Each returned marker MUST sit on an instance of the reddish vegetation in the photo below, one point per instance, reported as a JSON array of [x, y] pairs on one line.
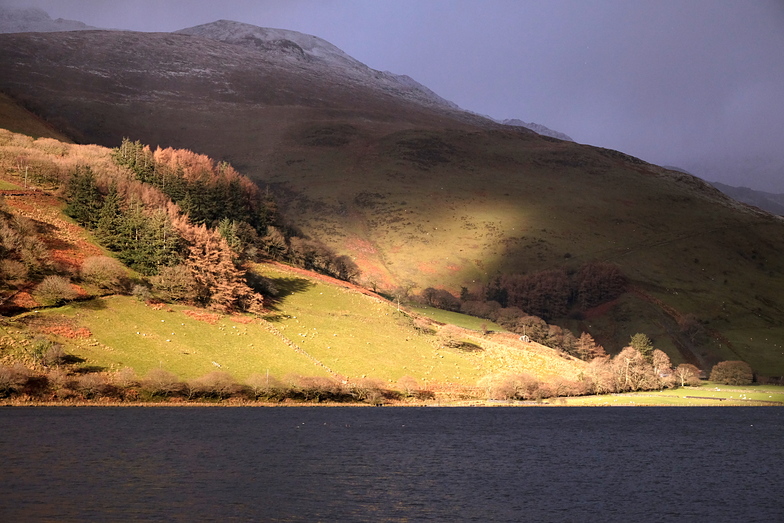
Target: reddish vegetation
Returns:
[[23, 300], [426, 268], [66, 243], [158, 305], [208, 317], [366, 257], [67, 331], [236, 318]]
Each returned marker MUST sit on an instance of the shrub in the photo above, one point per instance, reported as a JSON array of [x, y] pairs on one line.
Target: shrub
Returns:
[[159, 382], [408, 385], [141, 292], [175, 284], [12, 379], [216, 384], [104, 272], [732, 373], [91, 385], [449, 336], [12, 271], [54, 290], [317, 389], [125, 378], [265, 387]]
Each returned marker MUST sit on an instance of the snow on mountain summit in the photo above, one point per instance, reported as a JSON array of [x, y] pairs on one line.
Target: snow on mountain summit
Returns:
[[294, 45], [537, 128]]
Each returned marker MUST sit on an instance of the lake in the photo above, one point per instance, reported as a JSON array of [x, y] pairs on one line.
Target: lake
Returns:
[[391, 464]]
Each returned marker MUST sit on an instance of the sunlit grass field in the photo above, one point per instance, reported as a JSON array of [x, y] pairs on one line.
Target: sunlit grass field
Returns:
[[708, 394], [314, 328]]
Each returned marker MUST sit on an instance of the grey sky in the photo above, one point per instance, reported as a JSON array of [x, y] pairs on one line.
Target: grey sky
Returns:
[[693, 83]]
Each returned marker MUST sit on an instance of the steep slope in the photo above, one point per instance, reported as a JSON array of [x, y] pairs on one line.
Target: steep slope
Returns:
[[417, 191], [16, 118]]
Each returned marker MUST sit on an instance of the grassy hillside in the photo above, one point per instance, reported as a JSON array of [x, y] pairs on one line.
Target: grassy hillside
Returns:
[[315, 326], [425, 196], [420, 196], [454, 209]]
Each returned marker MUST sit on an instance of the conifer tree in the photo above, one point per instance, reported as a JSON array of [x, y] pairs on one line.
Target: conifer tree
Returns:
[[84, 198], [110, 220], [220, 284]]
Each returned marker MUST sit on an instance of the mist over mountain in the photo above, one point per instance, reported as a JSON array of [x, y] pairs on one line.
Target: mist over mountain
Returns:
[[22, 20]]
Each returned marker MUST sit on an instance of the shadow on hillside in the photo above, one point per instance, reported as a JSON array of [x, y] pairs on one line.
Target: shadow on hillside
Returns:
[[285, 287], [467, 346], [93, 304]]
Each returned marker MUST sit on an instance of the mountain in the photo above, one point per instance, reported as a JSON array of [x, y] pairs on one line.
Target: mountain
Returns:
[[537, 128], [771, 202], [319, 54], [23, 20], [421, 194]]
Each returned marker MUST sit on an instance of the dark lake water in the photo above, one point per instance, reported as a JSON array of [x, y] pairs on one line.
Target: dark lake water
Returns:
[[392, 464]]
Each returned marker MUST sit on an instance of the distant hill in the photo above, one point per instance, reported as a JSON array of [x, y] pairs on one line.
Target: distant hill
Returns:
[[419, 193], [771, 202], [24, 20], [537, 128]]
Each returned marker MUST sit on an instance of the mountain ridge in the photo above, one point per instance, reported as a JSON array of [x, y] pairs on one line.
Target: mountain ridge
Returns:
[[538, 128]]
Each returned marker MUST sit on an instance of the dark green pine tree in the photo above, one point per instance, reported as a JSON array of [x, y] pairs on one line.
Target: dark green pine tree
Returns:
[[109, 228], [83, 198], [164, 247], [131, 238]]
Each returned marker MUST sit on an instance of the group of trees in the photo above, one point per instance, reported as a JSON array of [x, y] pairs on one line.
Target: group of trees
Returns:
[[555, 293], [518, 321], [547, 294], [216, 196], [628, 371], [525, 304], [189, 225], [150, 236]]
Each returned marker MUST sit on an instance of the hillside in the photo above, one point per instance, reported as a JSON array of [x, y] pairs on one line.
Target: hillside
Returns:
[[419, 193], [313, 326]]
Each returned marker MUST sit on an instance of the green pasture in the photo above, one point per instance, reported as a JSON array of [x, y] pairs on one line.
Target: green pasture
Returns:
[[450, 209], [313, 328], [708, 394], [128, 333], [360, 336]]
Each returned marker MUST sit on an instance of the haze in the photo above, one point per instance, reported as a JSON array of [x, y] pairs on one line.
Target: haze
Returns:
[[696, 84]]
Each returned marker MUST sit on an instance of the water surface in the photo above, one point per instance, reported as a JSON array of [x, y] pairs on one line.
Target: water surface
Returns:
[[391, 464]]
